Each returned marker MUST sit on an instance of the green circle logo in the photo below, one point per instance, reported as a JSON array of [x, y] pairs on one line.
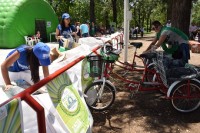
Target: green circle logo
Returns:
[[69, 102]]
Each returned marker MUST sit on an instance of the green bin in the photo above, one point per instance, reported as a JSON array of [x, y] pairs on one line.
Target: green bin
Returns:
[[95, 65]]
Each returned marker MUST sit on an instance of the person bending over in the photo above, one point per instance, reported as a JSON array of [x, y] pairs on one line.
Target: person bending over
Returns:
[[26, 58], [173, 41]]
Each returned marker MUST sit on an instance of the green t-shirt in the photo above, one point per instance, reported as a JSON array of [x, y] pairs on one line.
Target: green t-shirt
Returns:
[[175, 37]]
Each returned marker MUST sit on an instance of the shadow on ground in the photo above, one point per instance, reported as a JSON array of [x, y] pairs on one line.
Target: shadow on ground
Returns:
[[145, 112]]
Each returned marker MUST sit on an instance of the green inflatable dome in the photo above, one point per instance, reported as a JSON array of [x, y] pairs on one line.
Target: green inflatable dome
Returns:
[[19, 18]]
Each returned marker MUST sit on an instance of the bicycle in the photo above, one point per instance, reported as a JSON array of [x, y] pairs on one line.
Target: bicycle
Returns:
[[95, 90], [174, 93], [99, 95], [183, 84]]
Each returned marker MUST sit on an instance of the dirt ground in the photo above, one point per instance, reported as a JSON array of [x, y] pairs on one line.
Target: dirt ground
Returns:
[[147, 112]]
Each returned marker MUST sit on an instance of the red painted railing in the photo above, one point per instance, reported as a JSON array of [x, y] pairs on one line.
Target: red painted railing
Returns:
[[119, 40], [113, 41], [26, 94]]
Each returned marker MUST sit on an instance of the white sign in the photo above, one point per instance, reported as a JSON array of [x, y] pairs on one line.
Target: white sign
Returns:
[[48, 24]]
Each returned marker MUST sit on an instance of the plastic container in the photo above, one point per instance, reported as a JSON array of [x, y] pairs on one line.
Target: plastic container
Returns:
[[95, 65]]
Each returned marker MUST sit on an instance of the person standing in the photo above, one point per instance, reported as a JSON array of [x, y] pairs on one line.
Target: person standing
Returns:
[[169, 23], [142, 31], [84, 30], [193, 31], [112, 29], [78, 32], [92, 29], [65, 29], [136, 31], [132, 32]]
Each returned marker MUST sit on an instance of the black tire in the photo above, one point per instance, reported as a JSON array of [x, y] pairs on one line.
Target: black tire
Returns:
[[91, 96], [185, 105], [149, 75], [152, 77]]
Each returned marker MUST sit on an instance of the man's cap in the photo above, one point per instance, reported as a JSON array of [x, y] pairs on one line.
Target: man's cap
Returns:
[[65, 16], [42, 52]]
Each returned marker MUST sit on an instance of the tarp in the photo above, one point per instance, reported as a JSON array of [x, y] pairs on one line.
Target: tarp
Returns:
[[56, 120], [11, 117]]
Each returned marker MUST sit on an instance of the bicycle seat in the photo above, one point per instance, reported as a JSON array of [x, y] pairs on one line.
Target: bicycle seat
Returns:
[[148, 55], [136, 44]]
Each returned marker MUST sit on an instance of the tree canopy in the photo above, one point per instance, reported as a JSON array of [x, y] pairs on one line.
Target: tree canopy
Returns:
[[144, 11]]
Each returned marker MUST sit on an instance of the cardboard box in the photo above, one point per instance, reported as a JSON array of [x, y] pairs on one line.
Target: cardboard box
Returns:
[[195, 48]]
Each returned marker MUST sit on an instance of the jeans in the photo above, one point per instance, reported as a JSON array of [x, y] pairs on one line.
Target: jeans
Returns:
[[186, 52], [172, 62], [85, 35]]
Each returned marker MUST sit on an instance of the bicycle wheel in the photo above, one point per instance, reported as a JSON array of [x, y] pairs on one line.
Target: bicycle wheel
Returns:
[[97, 101], [150, 75], [186, 97]]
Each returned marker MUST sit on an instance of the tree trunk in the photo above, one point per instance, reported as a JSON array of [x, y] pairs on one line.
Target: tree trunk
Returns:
[[135, 16], [169, 10], [114, 6], [142, 25], [147, 24], [181, 10], [150, 25], [106, 20], [92, 11], [139, 17]]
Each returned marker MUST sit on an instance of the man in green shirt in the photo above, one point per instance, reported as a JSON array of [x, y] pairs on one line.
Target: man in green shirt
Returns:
[[173, 41]]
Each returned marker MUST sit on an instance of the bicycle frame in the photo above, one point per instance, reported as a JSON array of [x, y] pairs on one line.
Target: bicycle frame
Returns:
[[134, 85], [102, 88], [133, 66]]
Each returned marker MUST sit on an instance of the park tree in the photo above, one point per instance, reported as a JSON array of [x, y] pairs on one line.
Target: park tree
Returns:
[[92, 11], [181, 11], [196, 13], [114, 10], [61, 6], [144, 11]]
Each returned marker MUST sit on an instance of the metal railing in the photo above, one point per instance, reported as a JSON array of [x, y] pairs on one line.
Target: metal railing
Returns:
[[26, 94]]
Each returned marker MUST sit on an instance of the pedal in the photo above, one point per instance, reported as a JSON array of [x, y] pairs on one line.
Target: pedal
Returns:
[[134, 64], [149, 84], [133, 87], [131, 96], [125, 73], [85, 96]]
